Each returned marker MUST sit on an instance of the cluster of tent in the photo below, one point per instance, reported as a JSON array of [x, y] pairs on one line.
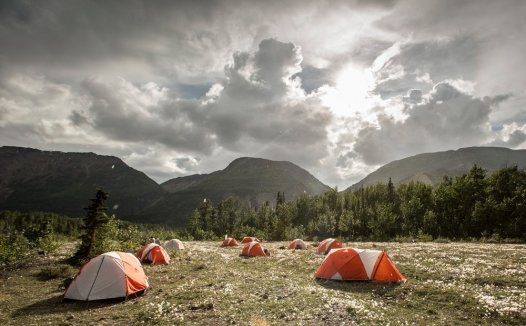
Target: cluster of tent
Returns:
[[118, 274], [252, 246], [347, 264]]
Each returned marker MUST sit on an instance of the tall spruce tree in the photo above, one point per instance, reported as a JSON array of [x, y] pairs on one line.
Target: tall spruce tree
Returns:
[[95, 218]]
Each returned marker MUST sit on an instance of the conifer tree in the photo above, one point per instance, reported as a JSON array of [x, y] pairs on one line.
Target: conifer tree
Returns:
[[95, 218]]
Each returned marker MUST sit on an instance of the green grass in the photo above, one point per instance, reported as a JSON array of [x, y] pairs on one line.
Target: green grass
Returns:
[[448, 284]]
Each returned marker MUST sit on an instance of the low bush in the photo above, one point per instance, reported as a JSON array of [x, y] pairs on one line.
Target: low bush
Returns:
[[48, 244], [60, 271], [14, 249]]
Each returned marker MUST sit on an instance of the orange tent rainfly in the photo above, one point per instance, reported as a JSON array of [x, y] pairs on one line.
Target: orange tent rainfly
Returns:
[[253, 249], [297, 244], [326, 245], [229, 242], [108, 276], [249, 239], [350, 264], [154, 254], [174, 244]]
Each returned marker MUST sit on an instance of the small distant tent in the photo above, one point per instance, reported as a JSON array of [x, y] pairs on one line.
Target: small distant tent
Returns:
[[326, 245], [297, 244], [153, 240], [249, 239], [173, 244], [154, 254], [229, 242], [108, 276], [351, 264], [253, 249]]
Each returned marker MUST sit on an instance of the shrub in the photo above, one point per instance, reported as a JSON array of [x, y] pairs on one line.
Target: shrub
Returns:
[[296, 232], [48, 244], [495, 238], [424, 237], [56, 271], [13, 248]]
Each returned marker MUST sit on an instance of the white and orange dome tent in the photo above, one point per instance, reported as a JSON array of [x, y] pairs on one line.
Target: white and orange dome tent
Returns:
[[326, 245], [253, 249], [154, 254], [229, 242], [297, 244], [108, 276], [174, 244], [249, 239], [350, 264]]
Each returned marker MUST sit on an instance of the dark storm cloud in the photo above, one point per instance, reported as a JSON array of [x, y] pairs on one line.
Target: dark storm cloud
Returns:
[[252, 113], [448, 119], [447, 17], [275, 61], [139, 40], [135, 39], [129, 113]]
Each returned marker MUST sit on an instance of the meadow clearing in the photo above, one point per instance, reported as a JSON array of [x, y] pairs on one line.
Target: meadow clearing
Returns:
[[448, 284]]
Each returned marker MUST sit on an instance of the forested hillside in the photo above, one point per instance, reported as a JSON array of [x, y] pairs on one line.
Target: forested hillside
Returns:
[[34, 180], [472, 205], [430, 168], [254, 181]]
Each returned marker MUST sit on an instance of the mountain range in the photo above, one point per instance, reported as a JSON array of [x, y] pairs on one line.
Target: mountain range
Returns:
[[430, 168], [253, 180], [35, 180]]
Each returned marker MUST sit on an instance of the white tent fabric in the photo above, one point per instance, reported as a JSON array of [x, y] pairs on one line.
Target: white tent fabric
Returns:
[[369, 258], [173, 244], [103, 277], [298, 244]]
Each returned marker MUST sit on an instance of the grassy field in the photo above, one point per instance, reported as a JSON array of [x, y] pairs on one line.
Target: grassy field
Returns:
[[448, 284]]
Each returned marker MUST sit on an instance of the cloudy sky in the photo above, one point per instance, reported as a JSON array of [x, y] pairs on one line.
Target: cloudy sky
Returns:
[[338, 87]]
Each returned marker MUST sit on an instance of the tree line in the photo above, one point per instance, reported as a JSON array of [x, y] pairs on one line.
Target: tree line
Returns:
[[474, 205], [471, 206], [14, 221], [24, 235]]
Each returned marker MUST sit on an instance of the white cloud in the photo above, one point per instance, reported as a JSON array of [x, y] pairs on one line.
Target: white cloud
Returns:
[[512, 135], [447, 119]]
